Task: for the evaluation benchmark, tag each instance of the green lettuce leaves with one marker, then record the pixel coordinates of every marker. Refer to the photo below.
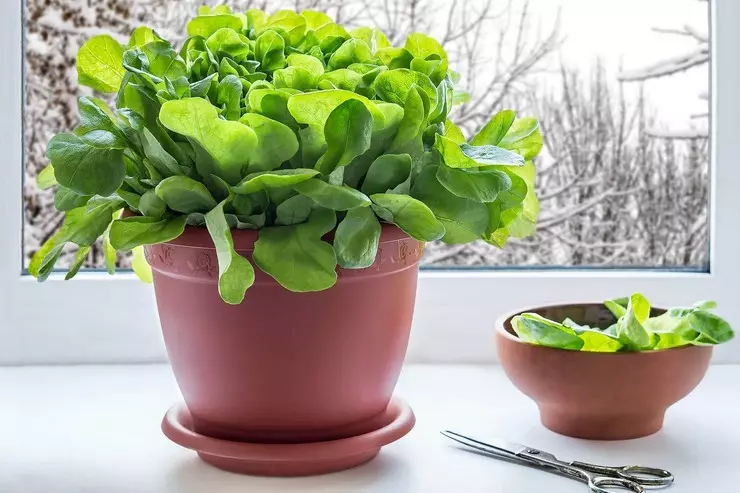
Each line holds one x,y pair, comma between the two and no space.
228,144
235,273
100,64
289,124
634,329
312,264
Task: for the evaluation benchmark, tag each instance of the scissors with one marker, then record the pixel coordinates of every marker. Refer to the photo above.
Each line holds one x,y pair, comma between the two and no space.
633,478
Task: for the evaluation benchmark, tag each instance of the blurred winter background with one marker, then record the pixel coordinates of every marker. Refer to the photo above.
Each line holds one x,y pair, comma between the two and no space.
621,88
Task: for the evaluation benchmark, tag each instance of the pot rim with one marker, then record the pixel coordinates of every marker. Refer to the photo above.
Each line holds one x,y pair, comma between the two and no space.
501,331
244,239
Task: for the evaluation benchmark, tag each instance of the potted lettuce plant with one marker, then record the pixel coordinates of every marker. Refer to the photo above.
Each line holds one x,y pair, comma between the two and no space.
322,156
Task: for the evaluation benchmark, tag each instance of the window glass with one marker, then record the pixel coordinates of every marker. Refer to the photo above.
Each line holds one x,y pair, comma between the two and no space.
621,88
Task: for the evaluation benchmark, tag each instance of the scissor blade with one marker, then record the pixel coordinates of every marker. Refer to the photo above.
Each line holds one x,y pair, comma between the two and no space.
496,447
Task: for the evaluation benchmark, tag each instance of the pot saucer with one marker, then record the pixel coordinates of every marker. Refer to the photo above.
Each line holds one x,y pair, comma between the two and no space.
294,459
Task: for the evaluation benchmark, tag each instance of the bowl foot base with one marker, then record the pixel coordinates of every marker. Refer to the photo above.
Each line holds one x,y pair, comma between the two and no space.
577,423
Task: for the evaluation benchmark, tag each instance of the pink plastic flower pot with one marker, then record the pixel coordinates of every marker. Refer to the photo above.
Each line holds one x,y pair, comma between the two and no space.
285,367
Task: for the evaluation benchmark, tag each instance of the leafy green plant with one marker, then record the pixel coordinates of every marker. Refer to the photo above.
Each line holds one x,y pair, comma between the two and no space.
288,124
633,330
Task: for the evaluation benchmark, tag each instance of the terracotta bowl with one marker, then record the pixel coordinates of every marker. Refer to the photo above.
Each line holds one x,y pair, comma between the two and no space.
599,396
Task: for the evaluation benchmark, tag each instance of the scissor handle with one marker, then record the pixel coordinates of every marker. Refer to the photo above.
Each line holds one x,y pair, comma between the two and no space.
597,483
650,477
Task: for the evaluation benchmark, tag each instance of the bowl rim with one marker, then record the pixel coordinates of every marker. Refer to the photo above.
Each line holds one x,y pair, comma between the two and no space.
505,334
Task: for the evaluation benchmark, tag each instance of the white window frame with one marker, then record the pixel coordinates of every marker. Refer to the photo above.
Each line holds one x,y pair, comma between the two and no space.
99,318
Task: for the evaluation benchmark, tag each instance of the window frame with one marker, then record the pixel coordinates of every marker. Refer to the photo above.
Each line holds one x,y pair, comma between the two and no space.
99,318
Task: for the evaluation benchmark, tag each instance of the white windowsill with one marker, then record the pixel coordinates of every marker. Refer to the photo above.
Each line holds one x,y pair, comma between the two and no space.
78,429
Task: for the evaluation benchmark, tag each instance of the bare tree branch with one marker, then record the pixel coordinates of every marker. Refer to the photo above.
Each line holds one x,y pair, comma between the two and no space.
550,222
689,134
687,30
669,66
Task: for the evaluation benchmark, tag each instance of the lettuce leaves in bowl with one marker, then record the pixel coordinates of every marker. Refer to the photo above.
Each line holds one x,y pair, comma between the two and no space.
633,330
